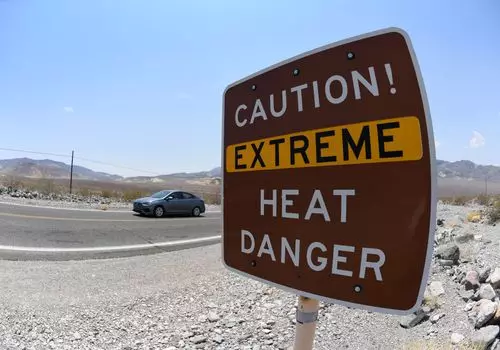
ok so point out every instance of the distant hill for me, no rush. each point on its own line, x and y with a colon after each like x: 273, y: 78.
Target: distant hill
x: 465, y: 169
x: 46, y: 168
x: 50, y: 169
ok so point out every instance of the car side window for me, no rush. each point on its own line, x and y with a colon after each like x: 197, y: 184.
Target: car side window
x: 177, y: 195
x: 187, y: 195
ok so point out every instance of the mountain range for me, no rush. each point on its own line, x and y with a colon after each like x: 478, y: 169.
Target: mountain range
x: 50, y: 169
x: 47, y: 168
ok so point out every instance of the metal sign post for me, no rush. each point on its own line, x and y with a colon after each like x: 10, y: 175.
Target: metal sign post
x: 307, y: 317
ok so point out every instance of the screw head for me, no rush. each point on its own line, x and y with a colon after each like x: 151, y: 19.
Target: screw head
x: 350, y: 55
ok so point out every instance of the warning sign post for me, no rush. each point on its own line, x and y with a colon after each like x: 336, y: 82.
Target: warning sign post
x: 329, y: 177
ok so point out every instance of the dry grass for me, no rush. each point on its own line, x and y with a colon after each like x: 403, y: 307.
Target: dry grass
x: 113, y: 190
x: 483, y: 199
x: 432, y: 302
x: 493, y: 212
x: 457, y: 200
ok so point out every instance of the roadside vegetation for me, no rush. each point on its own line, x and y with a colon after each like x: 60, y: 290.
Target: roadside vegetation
x: 491, y: 204
x: 111, y: 191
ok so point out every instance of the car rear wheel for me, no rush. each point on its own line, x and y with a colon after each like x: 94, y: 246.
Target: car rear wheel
x: 196, y: 211
x: 159, y: 212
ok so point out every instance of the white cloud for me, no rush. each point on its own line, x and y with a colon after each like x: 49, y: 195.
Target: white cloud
x: 68, y: 109
x: 477, y: 140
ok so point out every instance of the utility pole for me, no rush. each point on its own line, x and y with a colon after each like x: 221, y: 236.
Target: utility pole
x: 71, y: 173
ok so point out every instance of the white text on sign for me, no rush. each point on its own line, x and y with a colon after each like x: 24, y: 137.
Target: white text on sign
x: 317, y: 205
x: 315, y: 255
x: 333, y: 91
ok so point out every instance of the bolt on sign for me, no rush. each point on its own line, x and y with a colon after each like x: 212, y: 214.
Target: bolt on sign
x: 329, y: 177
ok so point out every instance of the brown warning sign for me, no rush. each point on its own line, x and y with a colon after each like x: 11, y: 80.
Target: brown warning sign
x: 328, y: 175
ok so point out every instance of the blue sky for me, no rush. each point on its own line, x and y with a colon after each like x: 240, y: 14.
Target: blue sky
x: 139, y: 83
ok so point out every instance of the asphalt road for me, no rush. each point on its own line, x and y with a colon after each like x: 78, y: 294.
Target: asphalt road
x: 43, y: 233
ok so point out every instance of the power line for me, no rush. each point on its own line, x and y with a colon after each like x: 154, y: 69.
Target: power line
x: 80, y: 158
x: 116, y: 166
x: 33, y: 152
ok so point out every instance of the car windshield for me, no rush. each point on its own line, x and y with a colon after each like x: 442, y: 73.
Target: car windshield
x: 160, y: 194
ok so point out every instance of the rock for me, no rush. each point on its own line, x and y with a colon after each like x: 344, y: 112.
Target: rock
x: 484, y: 274
x: 440, y: 222
x: 455, y: 221
x: 198, y: 339
x: 444, y: 262
x: 410, y: 321
x: 456, y: 338
x: 448, y: 251
x: 444, y: 235
x: 460, y: 275
x: 482, y: 312
x: 77, y: 336
x: 436, y: 289
x: 213, y: 317
x: 486, y: 291
x: 485, y: 337
x: 218, y: 339
x: 471, y: 280
x: 466, y: 295
x: 469, y: 306
x: 494, y: 278
x: 464, y: 238
x: 427, y: 309
x: 436, y: 317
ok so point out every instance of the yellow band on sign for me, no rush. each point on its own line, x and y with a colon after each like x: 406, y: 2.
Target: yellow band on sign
x: 381, y: 141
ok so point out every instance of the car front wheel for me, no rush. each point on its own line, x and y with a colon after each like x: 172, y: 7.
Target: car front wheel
x: 159, y: 212
x: 196, y: 211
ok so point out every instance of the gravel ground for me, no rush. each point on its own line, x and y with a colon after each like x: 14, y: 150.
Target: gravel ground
x: 187, y: 300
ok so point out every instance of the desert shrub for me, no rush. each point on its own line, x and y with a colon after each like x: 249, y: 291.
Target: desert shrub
x: 13, y: 182
x: 446, y: 200
x: 85, y: 192
x: 460, y: 200
x: 431, y: 301
x: 107, y: 193
x: 483, y: 199
x: 211, y: 198
x: 132, y: 195
x: 46, y: 186
x: 493, y: 212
